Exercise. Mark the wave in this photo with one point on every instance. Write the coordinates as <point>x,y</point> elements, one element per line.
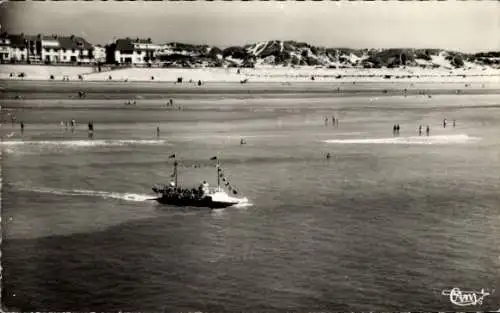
<point>417,140</point>
<point>85,143</point>
<point>92,193</point>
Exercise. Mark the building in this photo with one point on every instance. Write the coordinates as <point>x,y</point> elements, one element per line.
<point>63,49</point>
<point>4,48</point>
<point>99,54</point>
<point>132,51</point>
<point>18,47</point>
<point>49,49</point>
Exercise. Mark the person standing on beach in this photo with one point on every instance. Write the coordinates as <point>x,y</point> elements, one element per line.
<point>91,129</point>
<point>394,129</point>
<point>326,121</point>
<point>157,131</point>
<point>444,123</point>
<point>428,130</point>
<point>420,130</point>
<point>22,127</point>
<point>453,123</point>
<point>333,120</point>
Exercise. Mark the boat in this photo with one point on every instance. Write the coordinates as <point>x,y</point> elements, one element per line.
<point>203,196</point>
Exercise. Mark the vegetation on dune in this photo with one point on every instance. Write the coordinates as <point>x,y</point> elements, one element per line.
<point>292,53</point>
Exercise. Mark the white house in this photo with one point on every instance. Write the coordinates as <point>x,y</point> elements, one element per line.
<point>63,49</point>
<point>135,51</point>
<point>99,53</point>
<point>4,49</point>
<point>50,49</point>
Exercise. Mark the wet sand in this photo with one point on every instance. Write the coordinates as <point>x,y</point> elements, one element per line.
<point>26,89</point>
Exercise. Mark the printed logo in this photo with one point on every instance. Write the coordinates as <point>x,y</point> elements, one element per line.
<point>465,298</point>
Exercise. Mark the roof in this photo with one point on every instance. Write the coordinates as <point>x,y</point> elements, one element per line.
<point>20,41</point>
<point>70,42</point>
<point>124,45</point>
<point>127,44</point>
<point>65,42</point>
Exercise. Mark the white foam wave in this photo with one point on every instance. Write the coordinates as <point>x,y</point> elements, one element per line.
<point>93,193</point>
<point>243,205</point>
<point>85,143</point>
<point>416,140</point>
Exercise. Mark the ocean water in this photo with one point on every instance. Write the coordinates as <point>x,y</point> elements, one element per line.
<point>386,224</point>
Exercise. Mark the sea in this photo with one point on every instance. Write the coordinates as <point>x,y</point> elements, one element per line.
<point>390,222</point>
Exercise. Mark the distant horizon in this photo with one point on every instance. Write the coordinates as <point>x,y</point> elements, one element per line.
<point>466,27</point>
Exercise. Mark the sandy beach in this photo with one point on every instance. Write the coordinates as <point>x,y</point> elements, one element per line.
<point>261,74</point>
<point>32,89</point>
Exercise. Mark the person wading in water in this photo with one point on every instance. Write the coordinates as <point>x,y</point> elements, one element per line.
<point>91,129</point>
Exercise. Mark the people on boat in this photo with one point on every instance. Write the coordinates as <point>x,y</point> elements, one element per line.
<point>204,188</point>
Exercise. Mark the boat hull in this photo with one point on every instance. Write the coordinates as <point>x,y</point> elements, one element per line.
<point>206,202</point>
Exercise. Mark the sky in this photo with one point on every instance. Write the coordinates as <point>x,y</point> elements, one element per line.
<point>467,26</point>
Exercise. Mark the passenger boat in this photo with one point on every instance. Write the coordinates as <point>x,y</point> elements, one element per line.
<point>203,196</point>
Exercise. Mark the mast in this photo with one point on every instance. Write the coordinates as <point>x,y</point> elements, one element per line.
<point>175,173</point>
<point>218,174</point>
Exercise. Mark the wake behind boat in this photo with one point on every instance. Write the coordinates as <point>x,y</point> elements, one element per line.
<point>203,196</point>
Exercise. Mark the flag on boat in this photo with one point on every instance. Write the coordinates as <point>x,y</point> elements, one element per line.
<point>171,156</point>
<point>213,158</point>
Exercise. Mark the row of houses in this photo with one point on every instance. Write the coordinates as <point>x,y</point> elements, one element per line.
<point>49,49</point>
<point>74,49</point>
